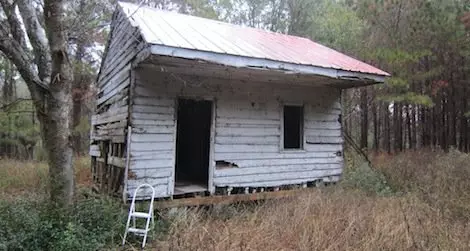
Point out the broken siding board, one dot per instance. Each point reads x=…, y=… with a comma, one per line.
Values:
x=288, y=177
x=121, y=54
x=116, y=161
x=284, y=162
x=114, y=91
x=218, y=148
x=274, y=156
x=120, y=77
x=229, y=172
x=277, y=183
x=152, y=173
x=105, y=118
x=95, y=151
x=160, y=129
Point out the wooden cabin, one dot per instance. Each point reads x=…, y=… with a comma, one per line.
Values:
x=196, y=106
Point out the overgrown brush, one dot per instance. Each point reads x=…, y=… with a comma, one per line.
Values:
x=412, y=201
x=92, y=224
x=440, y=179
x=332, y=219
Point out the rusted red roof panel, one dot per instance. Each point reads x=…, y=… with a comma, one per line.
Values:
x=190, y=32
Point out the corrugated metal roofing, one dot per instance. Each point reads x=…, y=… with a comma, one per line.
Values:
x=190, y=32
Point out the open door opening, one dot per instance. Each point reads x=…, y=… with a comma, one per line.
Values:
x=192, y=146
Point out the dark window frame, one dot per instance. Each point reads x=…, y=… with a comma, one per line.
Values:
x=297, y=141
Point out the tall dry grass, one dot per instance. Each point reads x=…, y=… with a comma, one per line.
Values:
x=427, y=209
x=412, y=201
x=29, y=178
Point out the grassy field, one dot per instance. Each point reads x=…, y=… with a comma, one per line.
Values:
x=413, y=201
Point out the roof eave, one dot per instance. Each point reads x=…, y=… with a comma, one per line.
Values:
x=249, y=62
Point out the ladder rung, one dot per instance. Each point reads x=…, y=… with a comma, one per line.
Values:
x=137, y=230
x=140, y=215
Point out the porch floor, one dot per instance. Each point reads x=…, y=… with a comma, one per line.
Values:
x=188, y=187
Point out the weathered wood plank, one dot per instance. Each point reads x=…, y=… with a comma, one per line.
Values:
x=152, y=173
x=94, y=151
x=146, y=109
x=243, y=140
x=273, y=156
x=160, y=129
x=282, y=177
x=218, y=148
x=152, y=146
x=273, y=183
x=146, y=122
x=223, y=199
x=154, y=101
x=253, y=131
x=160, y=186
x=151, y=163
x=152, y=138
x=270, y=164
x=156, y=155
x=117, y=161
x=323, y=140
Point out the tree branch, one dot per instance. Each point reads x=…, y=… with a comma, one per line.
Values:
x=14, y=22
x=22, y=60
x=37, y=37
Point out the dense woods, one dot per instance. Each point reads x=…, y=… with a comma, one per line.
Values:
x=424, y=44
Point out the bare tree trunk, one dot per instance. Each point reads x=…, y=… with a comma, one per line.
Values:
x=364, y=119
x=47, y=71
x=376, y=124
x=386, y=118
x=57, y=125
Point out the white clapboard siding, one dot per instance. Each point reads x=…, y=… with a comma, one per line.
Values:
x=247, y=131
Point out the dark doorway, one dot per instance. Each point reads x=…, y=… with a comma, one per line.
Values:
x=192, y=145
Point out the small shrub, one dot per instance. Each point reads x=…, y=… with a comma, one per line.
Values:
x=366, y=179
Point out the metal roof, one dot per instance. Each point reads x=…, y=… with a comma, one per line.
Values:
x=190, y=33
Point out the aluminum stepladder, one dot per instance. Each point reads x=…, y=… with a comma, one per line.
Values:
x=133, y=215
